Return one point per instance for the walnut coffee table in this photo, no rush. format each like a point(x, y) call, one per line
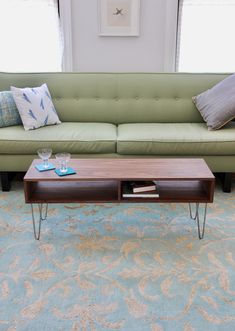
point(103, 180)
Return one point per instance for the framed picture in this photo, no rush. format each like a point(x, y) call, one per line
point(119, 17)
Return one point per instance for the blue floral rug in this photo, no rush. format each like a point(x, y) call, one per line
point(102, 267)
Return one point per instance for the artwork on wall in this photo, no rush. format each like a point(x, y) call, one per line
point(119, 17)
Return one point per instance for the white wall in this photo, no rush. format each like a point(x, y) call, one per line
point(152, 51)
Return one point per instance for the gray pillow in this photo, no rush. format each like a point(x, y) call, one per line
point(217, 105)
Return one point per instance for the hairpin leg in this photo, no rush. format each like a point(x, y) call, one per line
point(40, 208)
point(196, 216)
point(42, 217)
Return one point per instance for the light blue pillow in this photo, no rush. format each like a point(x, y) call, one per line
point(35, 106)
point(9, 114)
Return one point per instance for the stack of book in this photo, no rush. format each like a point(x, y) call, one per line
point(140, 189)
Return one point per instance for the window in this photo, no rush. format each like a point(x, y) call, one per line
point(30, 36)
point(206, 36)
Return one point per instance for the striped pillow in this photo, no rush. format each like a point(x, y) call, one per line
point(9, 114)
point(217, 105)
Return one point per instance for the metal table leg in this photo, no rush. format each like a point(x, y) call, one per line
point(42, 217)
point(196, 216)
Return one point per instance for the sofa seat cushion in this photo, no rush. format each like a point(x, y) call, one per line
point(75, 138)
point(175, 139)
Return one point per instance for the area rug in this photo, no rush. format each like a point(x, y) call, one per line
point(102, 267)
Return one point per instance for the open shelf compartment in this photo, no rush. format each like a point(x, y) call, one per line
point(112, 191)
point(176, 191)
point(77, 191)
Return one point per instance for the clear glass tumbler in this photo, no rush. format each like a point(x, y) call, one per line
point(63, 159)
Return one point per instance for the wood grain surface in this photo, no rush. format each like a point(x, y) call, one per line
point(102, 180)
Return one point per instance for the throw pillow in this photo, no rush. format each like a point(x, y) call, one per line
point(217, 105)
point(35, 106)
point(9, 114)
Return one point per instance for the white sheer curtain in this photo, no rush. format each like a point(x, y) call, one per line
point(30, 36)
point(206, 36)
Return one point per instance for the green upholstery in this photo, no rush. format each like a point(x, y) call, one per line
point(175, 139)
point(120, 97)
point(70, 137)
point(120, 115)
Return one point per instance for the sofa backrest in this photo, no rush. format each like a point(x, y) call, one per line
point(120, 97)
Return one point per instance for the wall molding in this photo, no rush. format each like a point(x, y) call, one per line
point(170, 35)
point(66, 26)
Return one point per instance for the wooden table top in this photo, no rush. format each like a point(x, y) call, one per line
point(126, 169)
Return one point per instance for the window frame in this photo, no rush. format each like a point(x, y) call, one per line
point(178, 38)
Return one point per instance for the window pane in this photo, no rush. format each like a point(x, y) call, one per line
point(30, 36)
point(206, 36)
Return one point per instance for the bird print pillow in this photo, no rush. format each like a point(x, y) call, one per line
point(35, 106)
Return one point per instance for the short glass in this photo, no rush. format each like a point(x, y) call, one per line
point(45, 154)
point(63, 159)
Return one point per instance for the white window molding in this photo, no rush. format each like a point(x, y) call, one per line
point(170, 37)
point(206, 34)
point(66, 26)
point(30, 36)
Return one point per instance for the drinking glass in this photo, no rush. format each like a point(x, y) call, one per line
point(45, 154)
point(63, 159)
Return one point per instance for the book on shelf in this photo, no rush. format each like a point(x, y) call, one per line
point(142, 186)
point(128, 193)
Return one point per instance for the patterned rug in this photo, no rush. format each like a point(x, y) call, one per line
point(102, 267)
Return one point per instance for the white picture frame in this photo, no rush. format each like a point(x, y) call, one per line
point(118, 17)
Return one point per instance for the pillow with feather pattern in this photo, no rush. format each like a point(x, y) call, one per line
point(35, 106)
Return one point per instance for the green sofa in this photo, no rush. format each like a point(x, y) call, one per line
point(120, 115)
